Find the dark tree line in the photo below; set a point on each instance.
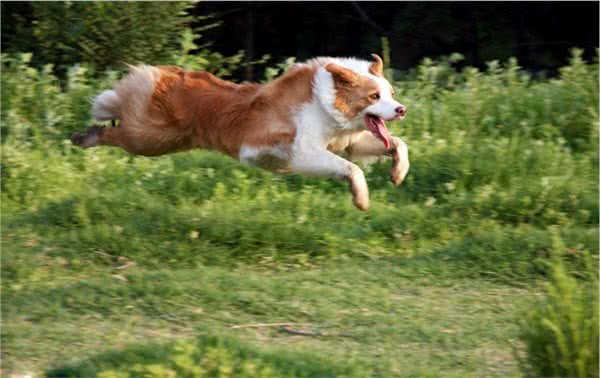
(539, 34)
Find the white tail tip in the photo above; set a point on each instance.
(106, 106)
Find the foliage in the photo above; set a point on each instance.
(505, 101)
(209, 356)
(103, 34)
(97, 37)
(195, 57)
(561, 332)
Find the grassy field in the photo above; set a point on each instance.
(115, 264)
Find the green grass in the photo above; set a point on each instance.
(113, 263)
(397, 324)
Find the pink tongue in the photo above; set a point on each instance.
(377, 126)
(384, 134)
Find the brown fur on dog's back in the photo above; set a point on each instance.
(198, 110)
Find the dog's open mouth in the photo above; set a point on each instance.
(376, 125)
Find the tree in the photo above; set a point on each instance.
(103, 34)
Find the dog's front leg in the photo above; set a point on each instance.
(369, 145)
(317, 162)
(400, 163)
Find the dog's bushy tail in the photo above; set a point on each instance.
(129, 99)
(106, 106)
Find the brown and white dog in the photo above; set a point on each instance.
(295, 124)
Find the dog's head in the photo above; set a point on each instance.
(356, 95)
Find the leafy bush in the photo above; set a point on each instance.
(561, 332)
(504, 101)
(208, 357)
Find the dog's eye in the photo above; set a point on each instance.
(375, 96)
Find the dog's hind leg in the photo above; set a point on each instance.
(105, 136)
(145, 141)
(88, 139)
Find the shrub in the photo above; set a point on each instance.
(504, 101)
(209, 356)
(561, 332)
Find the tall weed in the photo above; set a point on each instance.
(561, 332)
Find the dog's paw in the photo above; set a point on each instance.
(359, 189)
(398, 173)
(89, 139)
(401, 163)
(77, 139)
(361, 202)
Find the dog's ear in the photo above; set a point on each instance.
(342, 75)
(376, 68)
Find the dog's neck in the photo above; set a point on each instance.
(316, 126)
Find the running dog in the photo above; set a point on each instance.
(297, 123)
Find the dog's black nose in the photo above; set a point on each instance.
(401, 110)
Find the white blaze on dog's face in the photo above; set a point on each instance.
(365, 99)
